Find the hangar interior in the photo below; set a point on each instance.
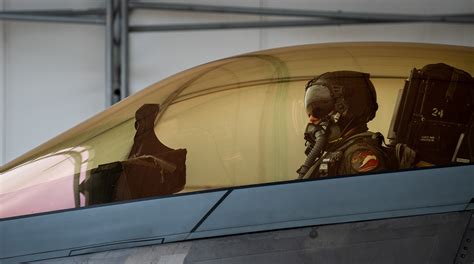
(65, 61)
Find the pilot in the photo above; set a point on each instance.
(339, 105)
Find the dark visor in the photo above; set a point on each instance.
(318, 101)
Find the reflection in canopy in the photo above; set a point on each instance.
(44, 184)
(151, 169)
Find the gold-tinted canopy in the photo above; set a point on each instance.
(241, 119)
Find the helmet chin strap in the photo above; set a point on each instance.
(337, 131)
(335, 134)
(333, 129)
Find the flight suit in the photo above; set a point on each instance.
(361, 153)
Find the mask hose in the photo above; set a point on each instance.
(319, 144)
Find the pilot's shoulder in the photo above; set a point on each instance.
(364, 156)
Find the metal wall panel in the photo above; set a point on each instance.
(2, 88)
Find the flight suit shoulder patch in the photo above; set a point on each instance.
(364, 160)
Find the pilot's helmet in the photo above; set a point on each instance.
(349, 93)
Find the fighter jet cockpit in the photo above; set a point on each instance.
(242, 121)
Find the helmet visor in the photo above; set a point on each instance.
(318, 101)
